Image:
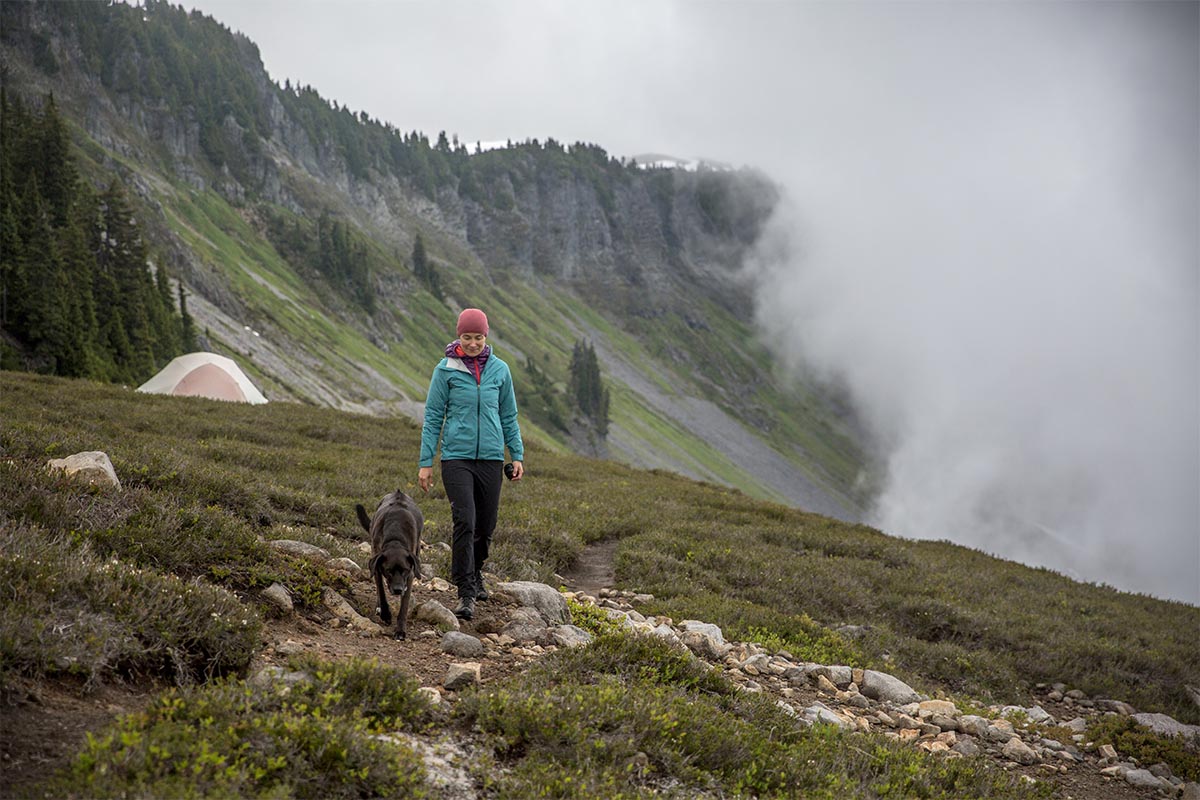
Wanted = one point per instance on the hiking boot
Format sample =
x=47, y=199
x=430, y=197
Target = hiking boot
x=466, y=608
x=481, y=593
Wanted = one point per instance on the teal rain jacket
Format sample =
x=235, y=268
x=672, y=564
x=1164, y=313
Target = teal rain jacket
x=473, y=420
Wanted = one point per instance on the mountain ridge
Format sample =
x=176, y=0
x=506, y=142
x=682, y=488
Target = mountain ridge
x=648, y=260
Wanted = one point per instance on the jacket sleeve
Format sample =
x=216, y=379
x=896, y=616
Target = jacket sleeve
x=508, y=419
x=435, y=417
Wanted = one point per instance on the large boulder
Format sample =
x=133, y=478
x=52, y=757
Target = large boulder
x=889, y=688
x=300, y=549
x=546, y=599
x=1168, y=726
x=92, y=466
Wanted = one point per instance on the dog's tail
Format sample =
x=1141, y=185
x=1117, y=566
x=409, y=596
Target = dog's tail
x=363, y=519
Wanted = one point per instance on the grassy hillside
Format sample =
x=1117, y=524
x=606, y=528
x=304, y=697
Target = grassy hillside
x=204, y=479
x=160, y=584
x=180, y=110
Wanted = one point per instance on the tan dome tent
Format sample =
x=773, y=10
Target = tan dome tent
x=204, y=375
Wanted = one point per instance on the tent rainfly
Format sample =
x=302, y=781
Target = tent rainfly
x=204, y=375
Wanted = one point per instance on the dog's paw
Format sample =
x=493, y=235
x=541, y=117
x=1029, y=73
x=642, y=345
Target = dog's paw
x=400, y=636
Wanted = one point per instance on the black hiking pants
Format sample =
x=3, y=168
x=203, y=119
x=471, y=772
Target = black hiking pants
x=473, y=488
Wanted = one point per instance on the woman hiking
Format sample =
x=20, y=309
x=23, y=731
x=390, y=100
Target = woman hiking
x=472, y=409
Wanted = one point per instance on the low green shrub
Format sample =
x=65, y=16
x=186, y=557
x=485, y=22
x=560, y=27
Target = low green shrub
x=323, y=736
x=592, y=618
x=1133, y=740
x=68, y=611
x=629, y=716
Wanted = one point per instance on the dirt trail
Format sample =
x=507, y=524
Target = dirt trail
x=593, y=570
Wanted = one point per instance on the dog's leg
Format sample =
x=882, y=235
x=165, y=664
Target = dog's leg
x=402, y=620
x=385, y=611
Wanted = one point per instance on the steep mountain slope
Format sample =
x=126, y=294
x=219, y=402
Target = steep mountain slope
x=240, y=180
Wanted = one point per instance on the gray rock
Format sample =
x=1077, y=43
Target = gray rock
x=546, y=599
x=943, y=722
x=974, y=725
x=1142, y=778
x=433, y=612
x=1000, y=730
x=707, y=628
x=461, y=644
x=1018, y=751
x=1118, y=706
x=1169, y=726
x=704, y=646
x=92, y=466
x=966, y=745
x=347, y=565
x=570, y=636
x=344, y=611
x=1039, y=715
x=1078, y=725
x=665, y=631
x=1191, y=791
x=270, y=675
x=837, y=675
x=882, y=686
x=278, y=596
x=526, y=625
x=460, y=676
x=819, y=713
x=796, y=676
x=1160, y=770
x=289, y=648
x=299, y=549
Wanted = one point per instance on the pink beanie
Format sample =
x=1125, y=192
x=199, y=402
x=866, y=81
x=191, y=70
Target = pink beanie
x=472, y=320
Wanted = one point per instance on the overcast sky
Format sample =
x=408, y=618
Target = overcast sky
x=991, y=238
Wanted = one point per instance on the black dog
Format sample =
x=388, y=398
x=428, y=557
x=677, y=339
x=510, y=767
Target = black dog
x=395, y=531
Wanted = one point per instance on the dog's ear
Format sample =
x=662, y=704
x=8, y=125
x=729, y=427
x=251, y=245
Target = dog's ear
x=374, y=563
x=363, y=519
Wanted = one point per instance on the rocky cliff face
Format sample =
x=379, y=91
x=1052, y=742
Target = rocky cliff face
x=655, y=249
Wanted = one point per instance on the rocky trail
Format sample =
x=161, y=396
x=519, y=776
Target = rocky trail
x=524, y=621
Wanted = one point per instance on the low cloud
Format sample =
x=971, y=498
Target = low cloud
x=1006, y=283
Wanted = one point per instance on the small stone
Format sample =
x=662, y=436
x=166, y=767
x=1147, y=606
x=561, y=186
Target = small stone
x=289, y=648
x=461, y=675
x=277, y=595
x=1020, y=752
x=825, y=685
x=1142, y=778
x=434, y=612
x=439, y=585
x=431, y=694
x=461, y=644
x=966, y=746
x=943, y=707
x=1108, y=752
x=347, y=565
x=300, y=549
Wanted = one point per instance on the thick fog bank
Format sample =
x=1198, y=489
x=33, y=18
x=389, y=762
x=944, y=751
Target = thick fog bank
x=1005, y=280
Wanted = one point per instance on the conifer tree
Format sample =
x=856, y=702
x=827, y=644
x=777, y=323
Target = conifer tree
x=187, y=326
x=586, y=386
x=424, y=270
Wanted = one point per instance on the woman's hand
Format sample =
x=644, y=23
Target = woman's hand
x=425, y=478
x=518, y=470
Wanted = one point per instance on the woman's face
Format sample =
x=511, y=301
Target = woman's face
x=472, y=343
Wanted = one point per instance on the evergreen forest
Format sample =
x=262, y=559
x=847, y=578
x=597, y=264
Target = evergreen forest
x=78, y=294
